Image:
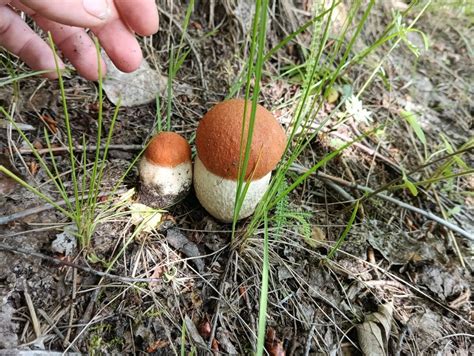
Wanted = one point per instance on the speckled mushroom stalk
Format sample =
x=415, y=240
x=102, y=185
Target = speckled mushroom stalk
x=165, y=170
x=216, y=167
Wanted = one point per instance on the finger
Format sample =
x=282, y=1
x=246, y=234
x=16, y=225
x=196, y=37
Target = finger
x=115, y=37
x=140, y=15
x=18, y=38
x=76, y=45
x=120, y=44
x=80, y=13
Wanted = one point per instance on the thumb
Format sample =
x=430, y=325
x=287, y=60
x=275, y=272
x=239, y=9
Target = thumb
x=80, y=13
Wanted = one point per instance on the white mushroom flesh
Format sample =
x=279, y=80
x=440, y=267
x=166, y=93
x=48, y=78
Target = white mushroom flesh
x=167, y=180
x=217, y=195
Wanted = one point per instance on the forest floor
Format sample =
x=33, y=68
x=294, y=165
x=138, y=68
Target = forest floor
x=400, y=280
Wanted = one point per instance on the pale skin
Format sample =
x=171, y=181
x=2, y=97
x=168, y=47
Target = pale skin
x=114, y=22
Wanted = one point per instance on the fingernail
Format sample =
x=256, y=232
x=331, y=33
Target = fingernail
x=97, y=8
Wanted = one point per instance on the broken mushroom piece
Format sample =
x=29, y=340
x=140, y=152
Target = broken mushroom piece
x=216, y=167
x=165, y=170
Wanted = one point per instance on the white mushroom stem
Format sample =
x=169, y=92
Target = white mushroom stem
x=217, y=194
x=170, y=181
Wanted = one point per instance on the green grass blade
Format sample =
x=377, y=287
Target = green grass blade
x=157, y=125
x=239, y=80
x=35, y=191
x=8, y=81
x=85, y=174
x=250, y=66
x=262, y=30
x=187, y=19
x=169, y=90
x=343, y=236
x=61, y=188
x=94, y=182
x=54, y=177
x=313, y=169
x=108, y=141
x=415, y=125
x=262, y=310
x=68, y=125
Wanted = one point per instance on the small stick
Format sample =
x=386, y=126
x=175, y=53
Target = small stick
x=218, y=307
x=66, y=342
x=55, y=328
x=56, y=261
x=72, y=308
x=307, y=347
x=339, y=190
x=371, y=259
x=86, y=317
x=450, y=233
x=31, y=309
x=39, y=209
x=400, y=203
x=369, y=151
x=87, y=148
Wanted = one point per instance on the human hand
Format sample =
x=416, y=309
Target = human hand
x=114, y=22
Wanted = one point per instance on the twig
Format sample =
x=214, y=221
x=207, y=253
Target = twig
x=417, y=169
x=307, y=347
x=339, y=190
x=427, y=214
x=86, y=317
x=39, y=209
x=55, y=328
x=87, y=148
x=450, y=233
x=22, y=251
x=368, y=150
x=218, y=306
x=31, y=309
x=71, y=309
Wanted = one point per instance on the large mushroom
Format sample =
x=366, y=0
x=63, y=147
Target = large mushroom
x=165, y=170
x=216, y=167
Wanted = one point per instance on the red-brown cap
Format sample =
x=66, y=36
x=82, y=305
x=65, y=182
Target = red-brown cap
x=218, y=140
x=168, y=149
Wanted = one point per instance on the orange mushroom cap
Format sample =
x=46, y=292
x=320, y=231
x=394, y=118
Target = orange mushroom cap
x=218, y=140
x=168, y=149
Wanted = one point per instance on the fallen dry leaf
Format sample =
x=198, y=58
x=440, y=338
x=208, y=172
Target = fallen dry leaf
x=33, y=167
x=51, y=123
x=144, y=216
x=373, y=333
x=273, y=345
x=225, y=343
x=37, y=144
x=215, y=345
x=179, y=241
x=7, y=184
x=133, y=89
x=158, y=344
x=193, y=332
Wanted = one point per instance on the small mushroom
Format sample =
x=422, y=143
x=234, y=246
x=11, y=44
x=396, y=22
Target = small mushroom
x=216, y=168
x=165, y=170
